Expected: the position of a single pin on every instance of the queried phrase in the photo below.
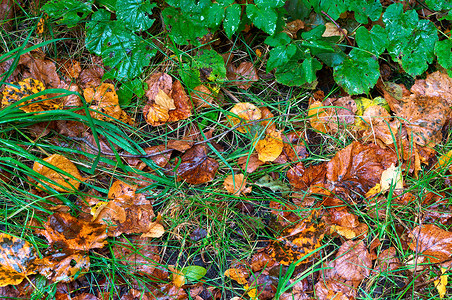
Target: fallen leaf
(311, 179)
(236, 184)
(391, 177)
(241, 114)
(238, 275)
(203, 96)
(441, 283)
(436, 84)
(104, 103)
(434, 243)
(62, 267)
(29, 87)
(294, 146)
(40, 68)
(387, 260)
(340, 113)
(250, 163)
(70, 68)
(269, 148)
(332, 30)
(157, 82)
(54, 178)
(196, 167)
(275, 185)
(67, 231)
(445, 161)
(318, 117)
(377, 123)
(243, 76)
(16, 258)
(7, 9)
(293, 27)
(92, 76)
(177, 277)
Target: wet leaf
(57, 180)
(269, 148)
(441, 284)
(104, 103)
(275, 185)
(294, 146)
(16, 257)
(243, 76)
(318, 117)
(391, 178)
(69, 232)
(28, 87)
(196, 167)
(193, 273)
(238, 275)
(434, 243)
(63, 267)
(445, 161)
(40, 68)
(378, 125)
(250, 163)
(236, 184)
(312, 178)
(242, 113)
(203, 96)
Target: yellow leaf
(245, 112)
(442, 283)
(318, 117)
(270, 147)
(392, 176)
(237, 275)
(162, 99)
(445, 160)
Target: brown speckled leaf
(196, 167)
(294, 146)
(236, 185)
(434, 243)
(436, 84)
(158, 81)
(16, 257)
(67, 231)
(40, 68)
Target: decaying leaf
(40, 68)
(62, 267)
(250, 163)
(238, 275)
(311, 179)
(318, 117)
(104, 103)
(377, 123)
(242, 113)
(236, 185)
(69, 232)
(391, 178)
(332, 30)
(28, 87)
(294, 146)
(445, 160)
(56, 180)
(341, 221)
(196, 167)
(203, 96)
(436, 84)
(242, 76)
(16, 257)
(441, 283)
(293, 27)
(157, 82)
(434, 243)
(269, 148)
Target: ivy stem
(338, 27)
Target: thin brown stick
(338, 27)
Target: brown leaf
(387, 260)
(293, 27)
(340, 112)
(243, 76)
(92, 76)
(41, 69)
(250, 163)
(55, 179)
(203, 96)
(157, 82)
(312, 178)
(7, 9)
(138, 254)
(294, 146)
(434, 243)
(236, 185)
(70, 68)
(67, 231)
(62, 267)
(242, 113)
(238, 275)
(182, 103)
(436, 85)
(196, 167)
(104, 102)
(379, 125)
(269, 148)
(160, 160)
(28, 87)
(358, 167)
(16, 258)
(318, 117)
(261, 260)
(345, 273)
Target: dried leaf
(332, 30)
(238, 275)
(68, 232)
(434, 243)
(56, 180)
(236, 185)
(250, 163)
(312, 179)
(378, 124)
(16, 257)
(318, 117)
(196, 167)
(28, 87)
(243, 76)
(441, 283)
(293, 27)
(39, 68)
(436, 84)
(294, 146)
(270, 147)
(444, 161)
(203, 96)
(245, 112)
(157, 82)
(163, 100)
(92, 77)
(178, 278)
(70, 68)
(62, 267)
(391, 177)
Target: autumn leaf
(241, 114)
(57, 180)
(391, 178)
(38, 67)
(242, 76)
(196, 167)
(236, 184)
(318, 117)
(294, 146)
(434, 243)
(203, 96)
(68, 232)
(442, 283)
(269, 148)
(16, 258)
(28, 87)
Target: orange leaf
(236, 185)
(244, 112)
(270, 147)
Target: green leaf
(276, 185)
(298, 9)
(296, 74)
(374, 41)
(358, 73)
(232, 19)
(134, 13)
(109, 4)
(193, 273)
(366, 9)
(211, 62)
(98, 30)
(410, 40)
(71, 12)
(190, 77)
(441, 5)
(334, 8)
(278, 39)
(280, 55)
(443, 50)
(264, 18)
(269, 3)
(128, 89)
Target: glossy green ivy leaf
(411, 40)
(211, 63)
(135, 13)
(358, 73)
(269, 3)
(441, 5)
(232, 19)
(443, 50)
(296, 74)
(264, 18)
(71, 12)
(183, 30)
(333, 8)
(374, 41)
(109, 4)
(280, 55)
(298, 9)
(98, 30)
(365, 9)
(193, 273)
(281, 38)
(189, 76)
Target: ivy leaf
(280, 55)
(98, 30)
(443, 50)
(232, 19)
(269, 3)
(441, 5)
(293, 74)
(358, 73)
(375, 40)
(263, 18)
(366, 9)
(411, 40)
(190, 77)
(71, 12)
(134, 13)
(278, 39)
(128, 89)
